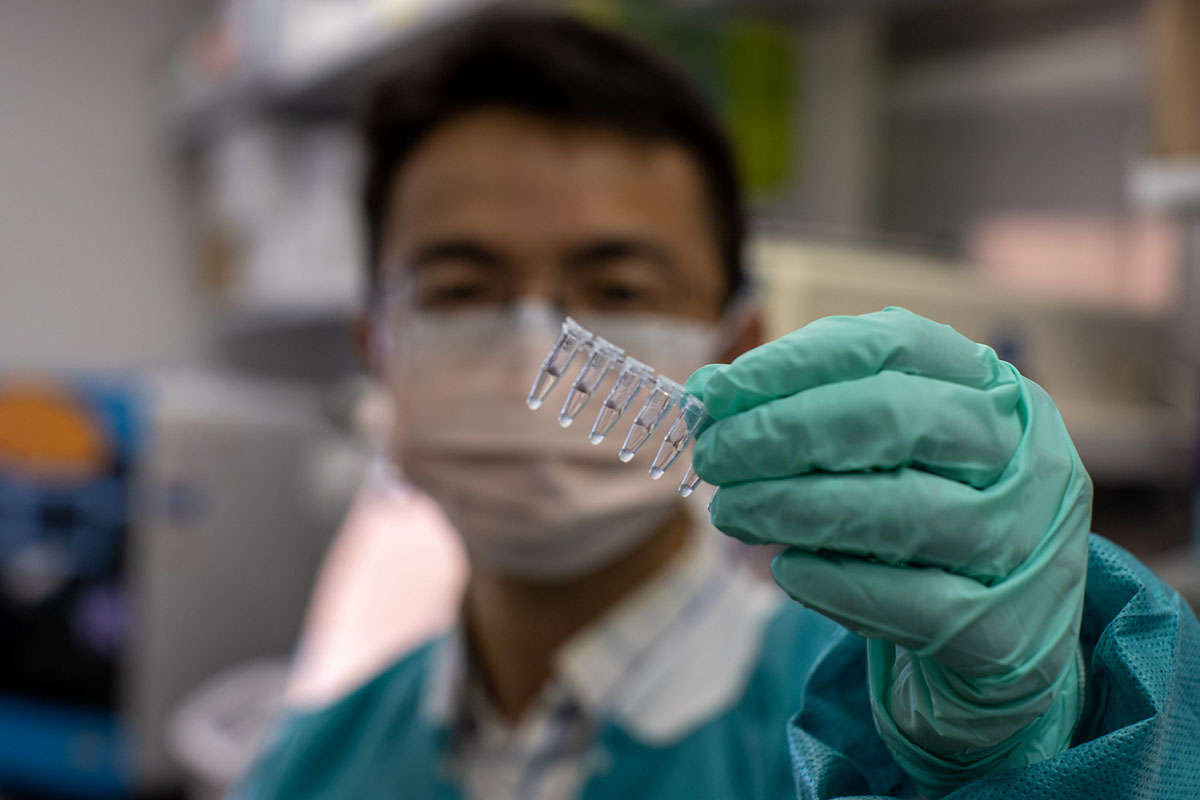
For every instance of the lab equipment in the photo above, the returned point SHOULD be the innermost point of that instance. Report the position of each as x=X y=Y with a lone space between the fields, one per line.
x=629 y=382
x=558 y=361
x=68 y=452
x=692 y=415
x=931 y=501
x=663 y=393
x=221 y=726
x=600 y=358
x=138 y=515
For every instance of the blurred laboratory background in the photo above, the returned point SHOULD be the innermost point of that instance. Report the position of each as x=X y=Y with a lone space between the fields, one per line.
x=185 y=426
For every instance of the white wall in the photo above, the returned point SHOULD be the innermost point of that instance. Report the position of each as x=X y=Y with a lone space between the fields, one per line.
x=94 y=268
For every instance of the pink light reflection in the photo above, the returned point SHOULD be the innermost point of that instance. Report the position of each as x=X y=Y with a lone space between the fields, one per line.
x=393 y=577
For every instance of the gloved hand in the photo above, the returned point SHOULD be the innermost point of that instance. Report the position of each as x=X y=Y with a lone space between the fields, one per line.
x=932 y=502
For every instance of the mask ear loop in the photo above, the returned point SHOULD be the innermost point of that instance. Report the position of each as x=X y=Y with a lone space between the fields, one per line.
x=390 y=307
x=740 y=309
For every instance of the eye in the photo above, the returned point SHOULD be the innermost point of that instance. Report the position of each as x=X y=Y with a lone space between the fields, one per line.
x=454 y=295
x=621 y=293
x=453 y=289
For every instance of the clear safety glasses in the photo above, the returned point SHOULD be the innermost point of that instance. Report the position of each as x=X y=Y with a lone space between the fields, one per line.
x=601 y=358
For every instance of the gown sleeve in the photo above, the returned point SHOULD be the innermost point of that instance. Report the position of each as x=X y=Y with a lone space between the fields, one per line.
x=1138 y=737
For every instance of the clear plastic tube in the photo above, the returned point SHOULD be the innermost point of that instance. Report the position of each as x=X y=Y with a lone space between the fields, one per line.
x=664 y=394
x=687 y=422
x=557 y=362
x=630 y=380
x=600 y=358
x=689 y=483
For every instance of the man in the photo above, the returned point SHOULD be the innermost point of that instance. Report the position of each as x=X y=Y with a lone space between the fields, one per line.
x=522 y=166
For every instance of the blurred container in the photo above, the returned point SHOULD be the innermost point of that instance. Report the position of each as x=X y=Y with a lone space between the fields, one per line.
x=69 y=454
x=154 y=529
x=253 y=55
x=222 y=725
x=237 y=516
x=280 y=219
x=1175 y=37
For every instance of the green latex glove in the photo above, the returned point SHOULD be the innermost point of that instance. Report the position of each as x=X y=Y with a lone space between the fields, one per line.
x=932 y=502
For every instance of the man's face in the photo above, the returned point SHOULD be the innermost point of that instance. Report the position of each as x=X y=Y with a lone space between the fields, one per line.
x=498 y=205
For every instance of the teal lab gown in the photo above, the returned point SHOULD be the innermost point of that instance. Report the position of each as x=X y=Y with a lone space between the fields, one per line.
x=803 y=726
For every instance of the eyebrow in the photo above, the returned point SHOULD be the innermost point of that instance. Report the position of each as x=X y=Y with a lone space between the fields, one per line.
x=456 y=249
x=606 y=250
x=596 y=253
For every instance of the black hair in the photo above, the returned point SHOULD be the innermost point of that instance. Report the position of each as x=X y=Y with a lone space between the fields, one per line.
x=553 y=66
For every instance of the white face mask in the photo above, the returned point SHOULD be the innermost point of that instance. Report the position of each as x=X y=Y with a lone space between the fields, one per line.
x=529 y=498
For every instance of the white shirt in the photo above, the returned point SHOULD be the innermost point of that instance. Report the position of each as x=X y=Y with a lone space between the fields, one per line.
x=673 y=655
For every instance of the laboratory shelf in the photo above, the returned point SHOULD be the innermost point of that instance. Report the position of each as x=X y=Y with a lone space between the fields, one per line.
x=299 y=342
x=329 y=86
x=270 y=319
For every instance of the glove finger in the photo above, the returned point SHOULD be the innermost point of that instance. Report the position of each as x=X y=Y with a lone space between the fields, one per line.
x=920 y=609
x=837 y=349
x=880 y=422
x=699 y=379
x=906 y=517
x=1019 y=626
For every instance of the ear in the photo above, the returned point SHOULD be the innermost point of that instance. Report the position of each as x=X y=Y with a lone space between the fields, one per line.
x=751 y=336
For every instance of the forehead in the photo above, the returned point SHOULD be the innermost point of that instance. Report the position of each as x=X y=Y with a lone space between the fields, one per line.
x=534 y=187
